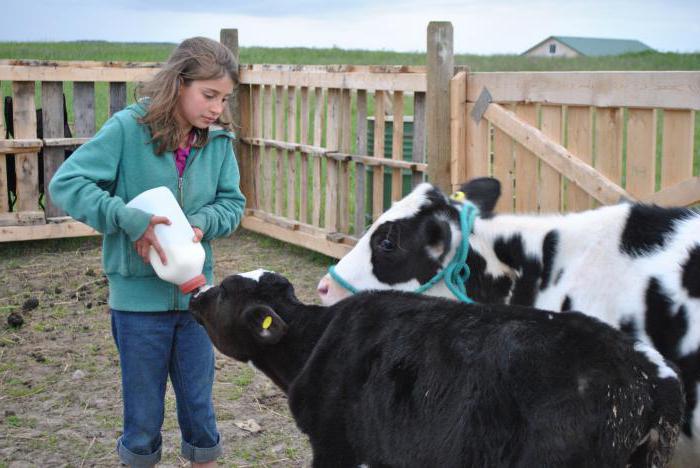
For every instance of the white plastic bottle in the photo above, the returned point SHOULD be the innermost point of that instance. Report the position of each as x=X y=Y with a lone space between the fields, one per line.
x=185 y=258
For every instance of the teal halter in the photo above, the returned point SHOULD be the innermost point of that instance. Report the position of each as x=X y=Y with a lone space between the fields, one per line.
x=456 y=273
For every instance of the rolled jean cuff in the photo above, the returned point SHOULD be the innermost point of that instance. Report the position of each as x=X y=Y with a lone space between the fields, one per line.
x=199 y=454
x=134 y=459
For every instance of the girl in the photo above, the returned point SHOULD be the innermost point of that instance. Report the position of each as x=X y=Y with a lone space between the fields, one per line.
x=173 y=136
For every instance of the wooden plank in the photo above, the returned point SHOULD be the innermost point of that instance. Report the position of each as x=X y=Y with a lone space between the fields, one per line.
x=378 y=162
x=378 y=152
x=525 y=165
x=458 y=129
x=64 y=143
x=418 y=154
x=334 y=68
x=580 y=142
x=27 y=164
x=4 y=198
x=84 y=109
x=361 y=132
x=28 y=145
x=22 y=218
x=354 y=80
x=319 y=151
x=244 y=153
x=72 y=71
x=641 y=152
x=276 y=220
x=684 y=193
x=345 y=133
x=361 y=169
x=117 y=97
x=562 y=160
x=2 y=115
x=346 y=117
x=291 y=155
x=316 y=167
x=280 y=183
x=397 y=146
x=677 y=151
x=46 y=231
x=608 y=134
x=477 y=147
x=287 y=146
x=318 y=243
x=304 y=139
x=664 y=89
x=257 y=154
x=332 y=141
x=440 y=61
x=504 y=168
x=53 y=124
x=267 y=187
x=550 y=183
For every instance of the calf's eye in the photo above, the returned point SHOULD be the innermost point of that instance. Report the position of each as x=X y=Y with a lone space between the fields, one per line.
x=386 y=245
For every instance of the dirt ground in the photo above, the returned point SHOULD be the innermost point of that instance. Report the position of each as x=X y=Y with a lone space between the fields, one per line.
x=60 y=402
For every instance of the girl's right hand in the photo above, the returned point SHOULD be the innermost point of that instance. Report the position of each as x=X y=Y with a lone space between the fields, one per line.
x=148 y=239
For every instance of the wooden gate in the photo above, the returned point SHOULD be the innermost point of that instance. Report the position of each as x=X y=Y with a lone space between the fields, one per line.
x=568 y=141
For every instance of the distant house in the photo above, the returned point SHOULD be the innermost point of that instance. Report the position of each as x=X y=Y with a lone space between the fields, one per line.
x=566 y=46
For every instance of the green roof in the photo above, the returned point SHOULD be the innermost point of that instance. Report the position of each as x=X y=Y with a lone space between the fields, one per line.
x=592 y=46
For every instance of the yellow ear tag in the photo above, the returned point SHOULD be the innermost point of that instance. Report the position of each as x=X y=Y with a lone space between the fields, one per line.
x=458 y=196
x=267 y=322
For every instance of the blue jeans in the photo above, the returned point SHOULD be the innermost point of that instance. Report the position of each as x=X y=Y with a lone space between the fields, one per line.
x=153 y=345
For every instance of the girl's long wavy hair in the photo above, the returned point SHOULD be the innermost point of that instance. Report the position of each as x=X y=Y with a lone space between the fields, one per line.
x=197 y=58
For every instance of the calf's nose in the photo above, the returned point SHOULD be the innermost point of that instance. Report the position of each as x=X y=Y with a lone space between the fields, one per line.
x=323 y=286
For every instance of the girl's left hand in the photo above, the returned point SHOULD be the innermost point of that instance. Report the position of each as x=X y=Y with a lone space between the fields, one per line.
x=198 y=234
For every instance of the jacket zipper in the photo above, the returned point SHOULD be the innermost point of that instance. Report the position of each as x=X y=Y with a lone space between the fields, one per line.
x=181 y=194
x=179 y=189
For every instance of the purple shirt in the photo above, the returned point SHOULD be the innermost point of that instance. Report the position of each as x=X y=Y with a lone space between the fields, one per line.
x=181 y=155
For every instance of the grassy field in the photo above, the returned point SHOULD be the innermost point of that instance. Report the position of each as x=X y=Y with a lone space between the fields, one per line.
x=156 y=52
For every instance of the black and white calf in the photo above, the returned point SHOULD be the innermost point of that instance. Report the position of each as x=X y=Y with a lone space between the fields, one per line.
x=636 y=267
x=398 y=379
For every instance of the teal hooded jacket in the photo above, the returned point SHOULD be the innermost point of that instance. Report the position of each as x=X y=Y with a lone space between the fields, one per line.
x=116 y=165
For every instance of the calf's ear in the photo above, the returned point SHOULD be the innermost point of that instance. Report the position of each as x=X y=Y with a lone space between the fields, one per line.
x=264 y=324
x=484 y=192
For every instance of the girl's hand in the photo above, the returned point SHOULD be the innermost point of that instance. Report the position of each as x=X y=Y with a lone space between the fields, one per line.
x=198 y=234
x=149 y=239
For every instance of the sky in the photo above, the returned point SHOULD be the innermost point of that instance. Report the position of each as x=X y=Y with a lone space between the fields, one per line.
x=480 y=27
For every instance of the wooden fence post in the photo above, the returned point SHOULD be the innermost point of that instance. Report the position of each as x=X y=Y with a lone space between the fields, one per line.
x=440 y=70
x=229 y=38
x=239 y=109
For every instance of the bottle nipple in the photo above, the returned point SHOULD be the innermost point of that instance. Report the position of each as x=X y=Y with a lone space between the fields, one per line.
x=193 y=284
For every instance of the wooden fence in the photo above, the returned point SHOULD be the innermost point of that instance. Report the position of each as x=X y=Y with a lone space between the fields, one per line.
x=26 y=210
x=313 y=176
x=305 y=158
x=567 y=141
